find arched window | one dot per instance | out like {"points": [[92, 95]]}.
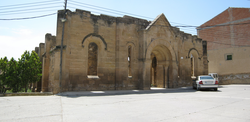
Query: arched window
{"points": [[192, 65], [129, 62], [92, 58]]}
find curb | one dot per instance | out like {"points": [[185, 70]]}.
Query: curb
{"points": [[27, 94]]}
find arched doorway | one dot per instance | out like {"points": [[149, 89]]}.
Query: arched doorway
{"points": [[194, 63], [153, 72], [161, 61], [166, 66]]}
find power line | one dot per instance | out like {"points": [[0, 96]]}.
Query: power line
{"points": [[120, 11], [195, 26], [110, 9], [213, 25], [30, 17], [218, 25], [97, 9], [30, 12], [222, 33], [184, 27], [187, 29], [29, 9], [117, 14], [26, 4], [214, 35]]}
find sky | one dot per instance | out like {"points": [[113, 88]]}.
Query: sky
{"points": [[16, 36]]}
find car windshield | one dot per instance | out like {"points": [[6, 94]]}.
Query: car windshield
{"points": [[206, 77]]}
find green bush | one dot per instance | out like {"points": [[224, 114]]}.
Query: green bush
{"points": [[17, 75]]}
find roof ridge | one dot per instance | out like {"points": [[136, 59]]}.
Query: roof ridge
{"points": [[154, 21]]}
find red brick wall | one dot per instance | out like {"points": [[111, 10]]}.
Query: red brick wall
{"points": [[217, 37], [229, 35], [240, 13], [242, 34], [221, 18]]}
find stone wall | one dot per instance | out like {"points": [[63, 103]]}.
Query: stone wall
{"points": [[108, 67], [234, 79], [46, 62]]}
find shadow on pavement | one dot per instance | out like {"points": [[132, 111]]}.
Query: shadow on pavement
{"points": [[209, 90], [126, 92]]}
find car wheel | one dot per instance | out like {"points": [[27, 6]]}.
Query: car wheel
{"points": [[215, 89], [197, 88]]}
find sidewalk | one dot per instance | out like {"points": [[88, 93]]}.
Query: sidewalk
{"points": [[123, 92], [104, 93]]}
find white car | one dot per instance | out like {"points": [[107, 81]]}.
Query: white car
{"points": [[205, 82], [215, 76]]}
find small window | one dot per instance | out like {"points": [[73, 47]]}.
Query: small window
{"points": [[229, 57]]}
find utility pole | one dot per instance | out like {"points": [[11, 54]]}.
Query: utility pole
{"points": [[63, 20]]}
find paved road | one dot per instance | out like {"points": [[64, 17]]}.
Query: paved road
{"points": [[231, 103]]}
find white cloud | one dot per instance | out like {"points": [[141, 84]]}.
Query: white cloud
{"points": [[6, 38], [15, 46], [15, 40], [22, 31]]}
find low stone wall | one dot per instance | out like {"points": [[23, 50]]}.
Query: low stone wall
{"points": [[234, 79], [27, 94]]}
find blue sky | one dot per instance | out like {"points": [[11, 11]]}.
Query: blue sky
{"points": [[16, 36]]}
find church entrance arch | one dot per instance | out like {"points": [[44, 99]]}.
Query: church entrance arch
{"points": [[161, 61]]}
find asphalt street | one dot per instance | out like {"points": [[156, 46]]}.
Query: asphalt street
{"points": [[231, 103]]}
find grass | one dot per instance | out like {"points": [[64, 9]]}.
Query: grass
{"points": [[23, 90]]}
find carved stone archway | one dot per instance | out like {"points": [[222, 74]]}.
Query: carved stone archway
{"points": [[161, 61]]}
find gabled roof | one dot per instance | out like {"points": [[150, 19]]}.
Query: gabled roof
{"points": [[155, 20], [225, 14]]}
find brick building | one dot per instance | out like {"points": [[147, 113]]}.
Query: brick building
{"points": [[228, 44], [119, 53]]}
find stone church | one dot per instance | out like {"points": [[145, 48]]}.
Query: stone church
{"points": [[102, 52]]}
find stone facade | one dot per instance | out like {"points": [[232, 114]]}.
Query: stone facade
{"points": [[228, 41], [120, 53]]}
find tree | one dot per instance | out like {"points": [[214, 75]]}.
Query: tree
{"points": [[30, 66], [13, 75], [19, 74], [3, 70], [25, 69], [36, 68]]}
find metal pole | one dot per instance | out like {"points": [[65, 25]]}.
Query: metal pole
{"points": [[63, 21]]}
